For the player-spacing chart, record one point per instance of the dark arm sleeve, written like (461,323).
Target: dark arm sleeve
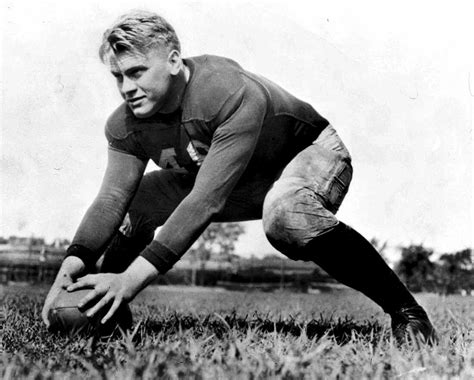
(231,149)
(104,216)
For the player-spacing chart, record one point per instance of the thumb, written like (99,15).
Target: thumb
(65,284)
(44,315)
(66,280)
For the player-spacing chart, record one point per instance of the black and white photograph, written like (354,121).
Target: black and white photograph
(204,189)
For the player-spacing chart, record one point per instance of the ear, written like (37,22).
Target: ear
(175,62)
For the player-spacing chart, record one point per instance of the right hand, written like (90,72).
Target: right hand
(71,268)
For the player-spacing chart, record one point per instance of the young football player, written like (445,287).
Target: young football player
(232,146)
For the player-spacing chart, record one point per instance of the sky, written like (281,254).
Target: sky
(395,79)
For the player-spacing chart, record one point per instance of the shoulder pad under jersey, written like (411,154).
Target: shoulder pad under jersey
(121,122)
(214,80)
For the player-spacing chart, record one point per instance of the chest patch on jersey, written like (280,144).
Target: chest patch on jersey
(181,152)
(168,159)
(197,151)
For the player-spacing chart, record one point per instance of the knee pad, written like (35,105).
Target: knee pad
(293,215)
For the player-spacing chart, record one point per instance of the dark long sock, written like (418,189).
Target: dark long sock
(121,252)
(352,260)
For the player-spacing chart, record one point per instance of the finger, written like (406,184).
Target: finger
(93,294)
(48,302)
(66,285)
(81,283)
(112,310)
(87,277)
(65,282)
(44,316)
(99,305)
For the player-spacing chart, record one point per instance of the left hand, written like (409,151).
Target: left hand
(109,287)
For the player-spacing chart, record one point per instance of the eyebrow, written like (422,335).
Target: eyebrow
(129,70)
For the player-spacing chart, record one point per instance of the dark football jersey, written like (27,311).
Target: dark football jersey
(233,127)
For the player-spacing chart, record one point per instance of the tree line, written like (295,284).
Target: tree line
(450,273)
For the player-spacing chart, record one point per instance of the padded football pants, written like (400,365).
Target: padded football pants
(300,205)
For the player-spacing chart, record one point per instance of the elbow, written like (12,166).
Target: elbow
(111,203)
(114,195)
(204,205)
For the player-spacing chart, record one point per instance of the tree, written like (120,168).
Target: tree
(455,272)
(416,269)
(218,238)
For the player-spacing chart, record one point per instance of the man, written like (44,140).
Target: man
(233,146)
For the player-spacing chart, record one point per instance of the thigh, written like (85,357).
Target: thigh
(160,192)
(302,203)
(325,172)
(245,202)
(329,139)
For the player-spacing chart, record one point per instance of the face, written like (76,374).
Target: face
(145,81)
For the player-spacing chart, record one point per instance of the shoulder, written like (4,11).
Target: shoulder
(213,81)
(119,131)
(120,123)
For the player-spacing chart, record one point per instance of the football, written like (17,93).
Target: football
(65,316)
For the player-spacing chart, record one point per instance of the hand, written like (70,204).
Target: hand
(115,288)
(70,269)
(111,288)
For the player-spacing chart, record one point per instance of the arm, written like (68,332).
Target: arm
(121,179)
(231,149)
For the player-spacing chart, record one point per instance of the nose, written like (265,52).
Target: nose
(128,87)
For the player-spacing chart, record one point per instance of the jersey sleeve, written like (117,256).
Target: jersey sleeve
(108,208)
(231,149)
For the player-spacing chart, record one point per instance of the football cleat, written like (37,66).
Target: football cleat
(411,324)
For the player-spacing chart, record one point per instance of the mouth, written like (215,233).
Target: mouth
(135,101)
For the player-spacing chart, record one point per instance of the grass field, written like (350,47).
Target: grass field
(185,333)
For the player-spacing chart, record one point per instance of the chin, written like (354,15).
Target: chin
(142,114)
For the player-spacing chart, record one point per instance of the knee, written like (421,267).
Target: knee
(158,195)
(293,215)
(137,227)
(140,218)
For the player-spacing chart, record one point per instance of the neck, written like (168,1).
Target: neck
(177,91)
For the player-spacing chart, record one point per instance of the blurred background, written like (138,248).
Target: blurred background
(395,79)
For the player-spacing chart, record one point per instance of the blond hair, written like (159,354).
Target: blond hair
(138,32)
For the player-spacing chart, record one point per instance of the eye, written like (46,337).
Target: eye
(118,77)
(135,74)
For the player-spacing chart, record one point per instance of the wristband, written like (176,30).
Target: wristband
(160,256)
(87,256)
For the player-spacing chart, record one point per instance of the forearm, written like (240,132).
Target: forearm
(101,220)
(106,213)
(187,223)
(95,231)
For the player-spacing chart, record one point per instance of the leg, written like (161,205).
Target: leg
(159,194)
(299,220)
